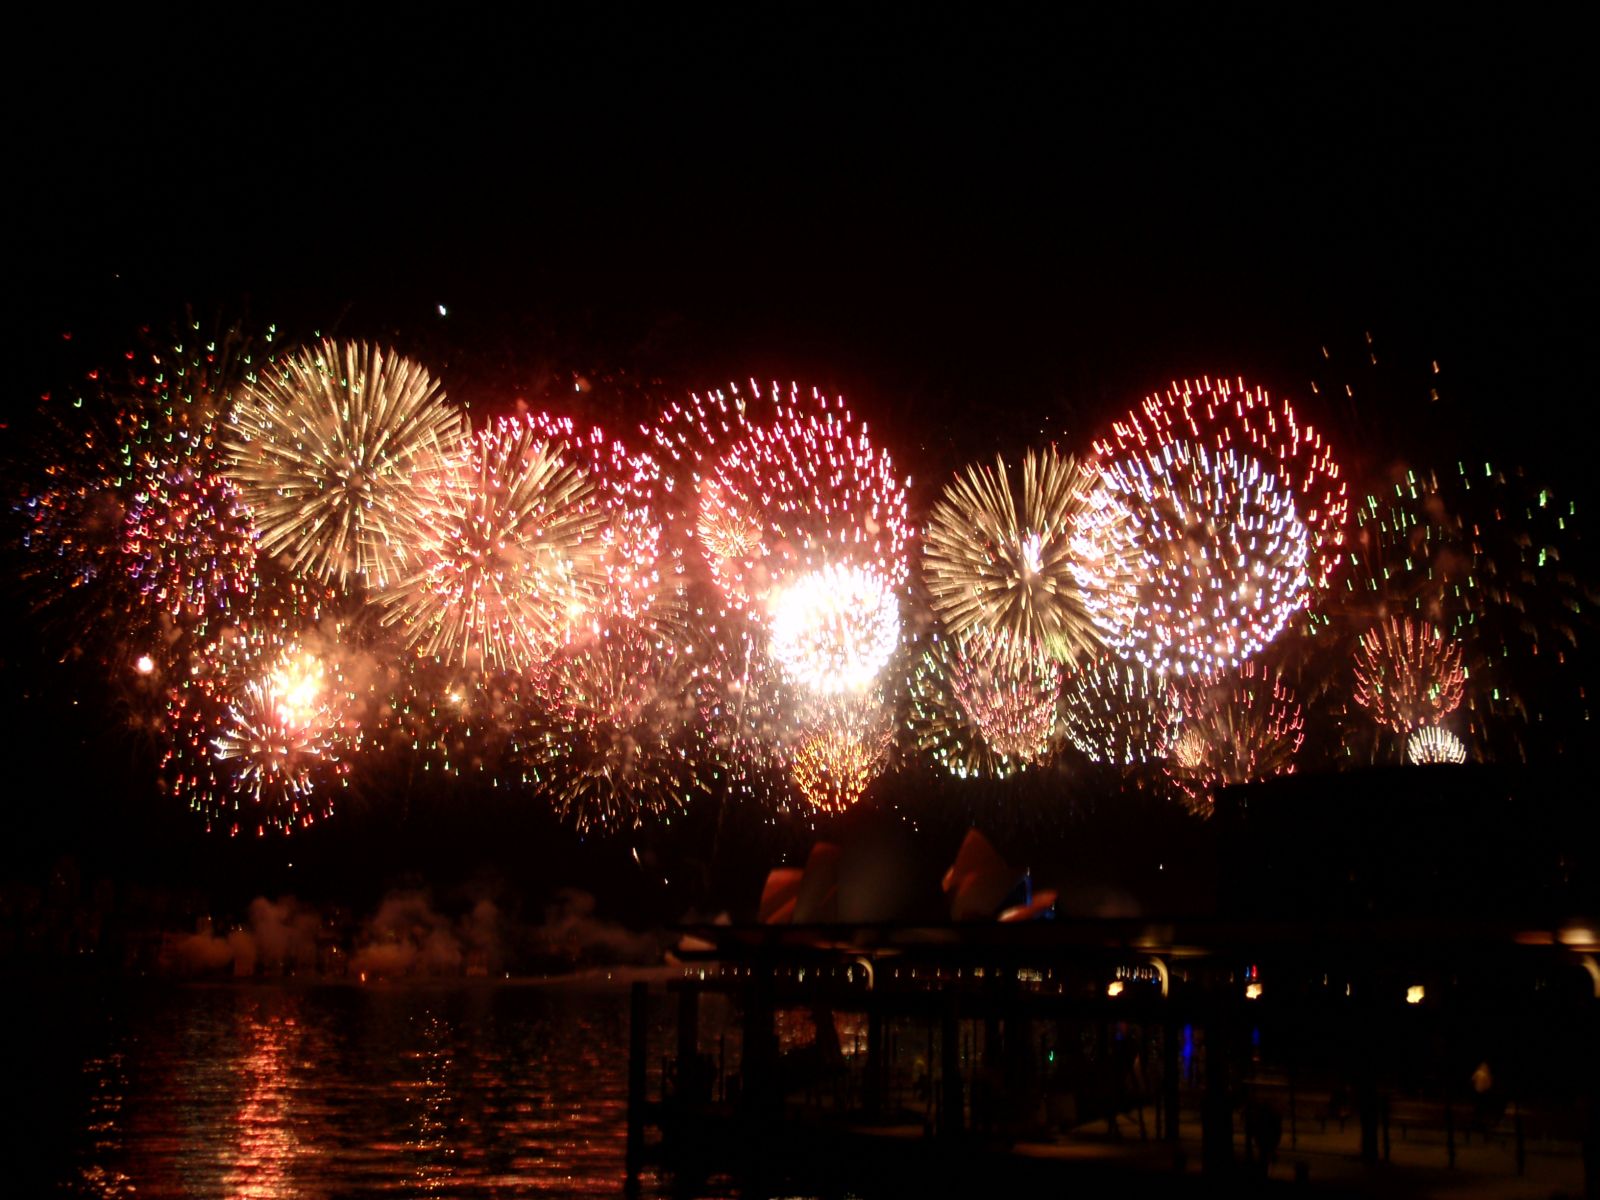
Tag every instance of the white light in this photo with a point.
(1414, 994)
(144, 664)
(1432, 744)
(834, 629)
(1033, 553)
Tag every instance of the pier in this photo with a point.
(1331, 1022)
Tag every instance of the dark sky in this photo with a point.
(974, 227)
(935, 214)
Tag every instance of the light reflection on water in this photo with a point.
(259, 1092)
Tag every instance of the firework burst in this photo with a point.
(641, 572)
(285, 743)
(834, 629)
(1487, 558)
(511, 553)
(938, 725)
(1011, 700)
(1234, 727)
(204, 676)
(727, 530)
(1220, 416)
(617, 741)
(1117, 712)
(819, 493)
(1432, 744)
(1223, 554)
(328, 448)
(840, 752)
(114, 453)
(188, 545)
(1019, 560)
(1407, 674)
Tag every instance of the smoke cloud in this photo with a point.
(408, 937)
(573, 934)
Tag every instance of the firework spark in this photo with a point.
(1234, 727)
(688, 439)
(1407, 674)
(1020, 561)
(446, 719)
(1432, 744)
(177, 392)
(748, 710)
(328, 449)
(511, 553)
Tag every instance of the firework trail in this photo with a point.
(938, 724)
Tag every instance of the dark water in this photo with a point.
(268, 1090)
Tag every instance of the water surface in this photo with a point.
(279, 1090)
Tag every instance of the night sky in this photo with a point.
(976, 230)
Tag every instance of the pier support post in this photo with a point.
(758, 1055)
(872, 1100)
(1216, 1113)
(1169, 1080)
(688, 1026)
(1367, 1109)
(638, 1029)
(951, 1099)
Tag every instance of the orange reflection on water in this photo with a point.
(265, 1145)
